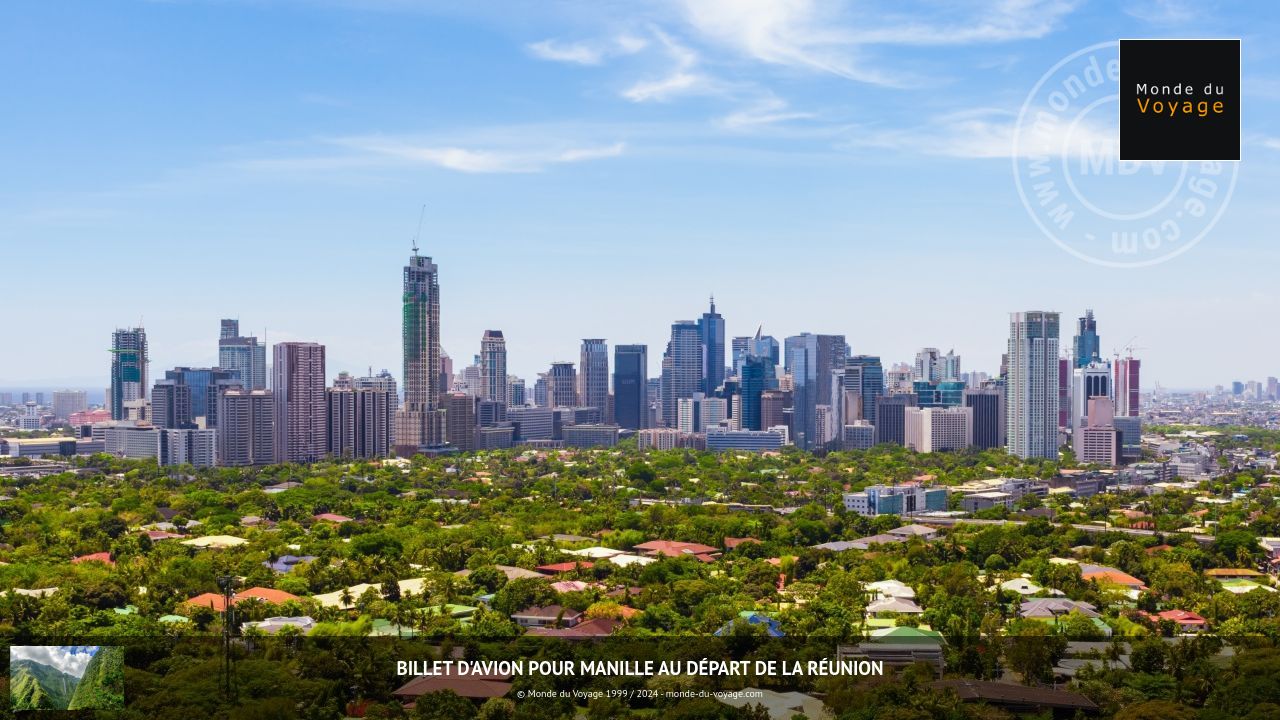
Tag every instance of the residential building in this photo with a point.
(859, 436)
(593, 375)
(417, 422)
(171, 405)
(1128, 371)
(493, 368)
(298, 389)
(460, 421)
(1032, 384)
(938, 429)
(68, 402)
(246, 427)
(244, 356)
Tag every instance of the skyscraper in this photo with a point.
(68, 402)
(928, 368)
(988, 406)
(1088, 382)
(562, 382)
(811, 359)
(871, 376)
(891, 418)
(1086, 347)
(417, 423)
(1032, 386)
(593, 374)
(300, 409)
(242, 355)
(753, 381)
(630, 386)
(1128, 386)
(493, 367)
(460, 421)
(128, 369)
(245, 434)
(711, 338)
(203, 382)
(681, 368)
(171, 405)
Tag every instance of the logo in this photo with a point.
(1097, 207)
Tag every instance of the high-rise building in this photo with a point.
(171, 405)
(246, 427)
(1032, 386)
(128, 369)
(681, 368)
(774, 407)
(811, 359)
(202, 382)
(516, 392)
(1065, 367)
(493, 367)
(298, 379)
(1087, 382)
(711, 338)
(630, 386)
(361, 415)
(938, 429)
(417, 423)
(243, 355)
(187, 446)
(739, 348)
(1128, 386)
(562, 382)
(988, 406)
(949, 365)
(1096, 440)
(593, 375)
(460, 421)
(928, 368)
(340, 418)
(891, 418)
(753, 382)
(68, 402)
(869, 378)
(1086, 347)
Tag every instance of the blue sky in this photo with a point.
(589, 170)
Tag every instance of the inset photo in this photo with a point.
(66, 677)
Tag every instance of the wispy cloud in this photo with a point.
(587, 52)
(1164, 12)
(681, 79)
(986, 133)
(478, 160)
(768, 110)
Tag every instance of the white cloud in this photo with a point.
(587, 53)
(682, 79)
(767, 111)
(71, 660)
(989, 133)
(470, 160)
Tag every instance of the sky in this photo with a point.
(593, 169)
(70, 659)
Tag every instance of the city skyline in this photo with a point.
(655, 157)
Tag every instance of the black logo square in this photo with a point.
(1179, 99)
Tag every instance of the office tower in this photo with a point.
(40, 399)
(493, 367)
(928, 368)
(753, 382)
(631, 386)
(765, 346)
(298, 389)
(1087, 382)
(1128, 386)
(681, 368)
(899, 379)
(1237, 388)
(128, 369)
(532, 423)
(870, 382)
(860, 435)
(67, 402)
(418, 424)
(739, 349)
(460, 421)
(689, 413)
(593, 376)
(1086, 345)
(810, 359)
(711, 338)
(445, 380)
(246, 427)
(243, 355)
(938, 429)
(171, 405)
(1129, 430)
(562, 385)
(202, 382)
(540, 391)
(340, 418)
(6, 399)
(516, 396)
(988, 406)
(1032, 386)
(891, 418)
(1097, 440)
(1273, 390)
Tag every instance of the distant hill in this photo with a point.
(35, 686)
(103, 683)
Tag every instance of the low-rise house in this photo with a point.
(286, 563)
(273, 625)
(900, 646)
(887, 607)
(215, 542)
(890, 589)
(564, 567)
(475, 687)
(547, 616)
(915, 530)
(770, 625)
(1019, 698)
(586, 630)
(98, 557)
(1187, 621)
(1233, 574)
(1051, 608)
(779, 705)
(671, 548)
